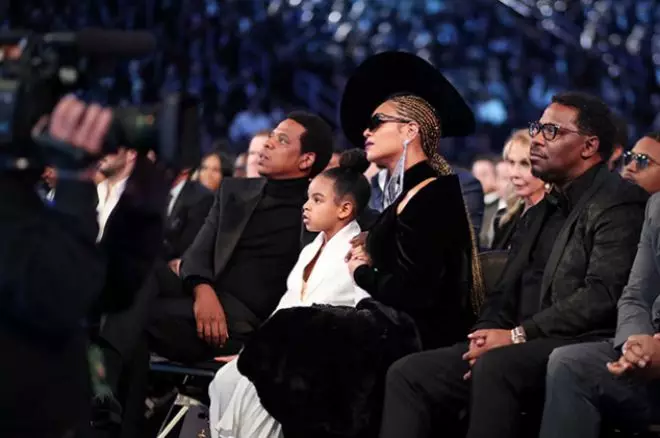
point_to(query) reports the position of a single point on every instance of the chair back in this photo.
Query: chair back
(492, 265)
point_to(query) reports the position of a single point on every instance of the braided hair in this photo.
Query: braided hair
(417, 109)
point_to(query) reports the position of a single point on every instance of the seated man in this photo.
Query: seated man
(642, 163)
(567, 267)
(615, 379)
(235, 271)
(183, 214)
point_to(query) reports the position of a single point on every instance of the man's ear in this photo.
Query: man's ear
(306, 161)
(591, 147)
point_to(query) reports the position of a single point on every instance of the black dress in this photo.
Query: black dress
(421, 258)
(320, 370)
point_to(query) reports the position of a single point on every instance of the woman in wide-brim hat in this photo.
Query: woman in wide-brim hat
(320, 371)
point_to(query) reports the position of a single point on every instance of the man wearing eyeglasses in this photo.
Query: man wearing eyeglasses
(642, 163)
(569, 261)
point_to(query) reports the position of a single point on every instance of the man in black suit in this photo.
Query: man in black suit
(131, 214)
(568, 265)
(188, 204)
(235, 271)
(183, 213)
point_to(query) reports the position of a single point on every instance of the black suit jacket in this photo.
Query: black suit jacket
(587, 269)
(133, 235)
(213, 246)
(186, 219)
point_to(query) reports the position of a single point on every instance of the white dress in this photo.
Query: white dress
(236, 411)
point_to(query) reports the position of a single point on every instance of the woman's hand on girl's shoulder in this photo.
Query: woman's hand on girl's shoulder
(354, 263)
(360, 239)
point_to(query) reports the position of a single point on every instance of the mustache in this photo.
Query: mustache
(536, 149)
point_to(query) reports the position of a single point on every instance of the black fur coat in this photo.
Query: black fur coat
(341, 394)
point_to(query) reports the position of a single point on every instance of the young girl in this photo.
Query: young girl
(321, 276)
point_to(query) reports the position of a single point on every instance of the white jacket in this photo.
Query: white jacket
(330, 282)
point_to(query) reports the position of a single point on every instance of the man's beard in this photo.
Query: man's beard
(548, 176)
(111, 171)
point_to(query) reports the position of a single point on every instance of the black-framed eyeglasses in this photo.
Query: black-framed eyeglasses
(549, 130)
(378, 119)
(641, 160)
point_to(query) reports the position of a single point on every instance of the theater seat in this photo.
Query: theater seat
(199, 369)
(190, 393)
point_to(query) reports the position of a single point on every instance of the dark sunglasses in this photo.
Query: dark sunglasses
(378, 119)
(549, 130)
(641, 160)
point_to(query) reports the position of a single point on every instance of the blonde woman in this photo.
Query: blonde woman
(525, 190)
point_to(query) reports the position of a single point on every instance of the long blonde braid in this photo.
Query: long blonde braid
(417, 109)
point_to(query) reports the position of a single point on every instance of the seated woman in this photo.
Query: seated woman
(320, 371)
(321, 276)
(527, 190)
(213, 168)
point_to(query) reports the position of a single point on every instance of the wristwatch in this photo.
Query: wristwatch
(518, 335)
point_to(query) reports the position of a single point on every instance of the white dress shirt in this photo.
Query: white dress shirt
(174, 195)
(108, 199)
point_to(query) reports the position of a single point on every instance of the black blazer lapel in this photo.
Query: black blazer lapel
(237, 208)
(566, 232)
(181, 199)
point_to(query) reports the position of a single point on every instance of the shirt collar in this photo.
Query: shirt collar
(176, 190)
(490, 198)
(103, 187)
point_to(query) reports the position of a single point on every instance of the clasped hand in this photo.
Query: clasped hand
(482, 341)
(641, 353)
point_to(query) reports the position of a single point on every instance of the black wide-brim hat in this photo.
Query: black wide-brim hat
(389, 73)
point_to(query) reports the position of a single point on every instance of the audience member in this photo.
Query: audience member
(527, 190)
(240, 165)
(47, 183)
(213, 168)
(613, 382)
(483, 168)
(642, 163)
(503, 180)
(254, 150)
(236, 269)
(336, 198)
(568, 264)
(131, 212)
(188, 204)
(620, 143)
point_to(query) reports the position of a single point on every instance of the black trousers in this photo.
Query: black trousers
(172, 328)
(426, 394)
